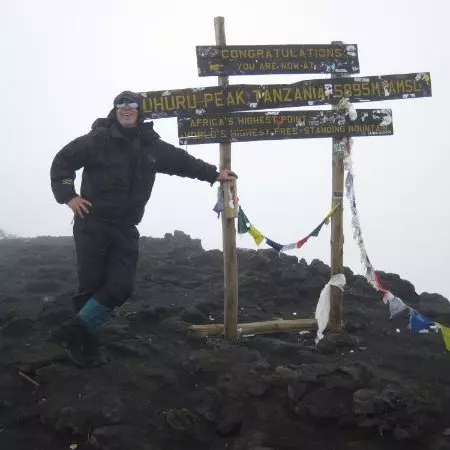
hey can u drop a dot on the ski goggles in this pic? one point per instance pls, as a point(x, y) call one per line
point(132, 105)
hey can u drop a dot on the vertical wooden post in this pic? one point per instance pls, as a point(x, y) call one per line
point(337, 230)
point(228, 224)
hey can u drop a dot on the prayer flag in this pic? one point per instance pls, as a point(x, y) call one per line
point(256, 235)
point(396, 306)
point(417, 322)
point(243, 222)
point(274, 245)
point(303, 241)
point(446, 336)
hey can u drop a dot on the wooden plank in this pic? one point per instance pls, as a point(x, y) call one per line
point(277, 125)
point(271, 326)
point(224, 99)
point(276, 59)
point(228, 222)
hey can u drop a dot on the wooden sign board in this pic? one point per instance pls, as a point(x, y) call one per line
point(276, 125)
point(243, 97)
point(276, 59)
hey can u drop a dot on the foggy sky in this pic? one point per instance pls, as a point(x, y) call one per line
point(63, 63)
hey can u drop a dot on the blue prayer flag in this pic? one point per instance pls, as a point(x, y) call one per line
point(417, 322)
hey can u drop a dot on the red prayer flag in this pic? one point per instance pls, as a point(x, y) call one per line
point(301, 242)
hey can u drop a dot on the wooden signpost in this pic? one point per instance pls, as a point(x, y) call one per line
point(337, 232)
point(233, 113)
point(224, 99)
point(276, 125)
point(228, 222)
point(276, 59)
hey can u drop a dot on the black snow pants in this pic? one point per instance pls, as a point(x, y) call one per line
point(107, 255)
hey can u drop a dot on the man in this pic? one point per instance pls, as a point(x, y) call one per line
point(120, 156)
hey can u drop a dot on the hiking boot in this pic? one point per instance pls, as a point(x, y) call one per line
point(73, 337)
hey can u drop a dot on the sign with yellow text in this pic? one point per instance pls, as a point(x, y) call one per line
point(276, 59)
point(276, 125)
point(243, 97)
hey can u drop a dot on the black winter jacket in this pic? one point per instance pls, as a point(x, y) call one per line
point(119, 172)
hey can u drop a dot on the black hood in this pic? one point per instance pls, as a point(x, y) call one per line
point(127, 96)
point(145, 128)
point(111, 118)
point(108, 120)
point(111, 122)
point(102, 122)
point(130, 97)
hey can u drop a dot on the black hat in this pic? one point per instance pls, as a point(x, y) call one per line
point(127, 96)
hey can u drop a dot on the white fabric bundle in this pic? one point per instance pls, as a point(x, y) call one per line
point(323, 306)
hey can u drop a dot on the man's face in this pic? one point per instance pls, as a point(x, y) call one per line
point(127, 114)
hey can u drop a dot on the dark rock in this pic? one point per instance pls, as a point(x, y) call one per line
point(296, 390)
point(349, 275)
point(194, 316)
point(257, 386)
point(179, 239)
point(280, 386)
point(314, 285)
point(55, 318)
point(69, 418)
point(145, 317)
point(435, 307)
point(313, 373)
point(137, 348)
point(326, 347)
point(21, 326)
point(353, 326)
point(364, 402)
point(283, 376)
point(400, 434)
point(343, 340)
point(399, 287)
point(358, 285)
point(175, 324)
point(301, 272)
point(230, 421)
point(181, 419)
point(113, 410)
point(206, 413)
point(318, 267)
point(163, 377)
point(339, 380)
point(43, 286)
point(292, 274)
point(219, 359)
point(48, 301)
point(324, 403)
point(120, 437)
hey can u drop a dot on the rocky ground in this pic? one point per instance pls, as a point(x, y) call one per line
point(370, 387)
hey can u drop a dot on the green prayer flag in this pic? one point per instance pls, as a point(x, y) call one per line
point(316, 230)
point(243, 222)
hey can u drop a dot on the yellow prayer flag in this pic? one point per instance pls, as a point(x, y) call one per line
point(256, 235)
point(332, 211)
point(446, 335)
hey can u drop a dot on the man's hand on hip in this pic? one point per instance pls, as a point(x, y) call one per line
point(79, 206)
